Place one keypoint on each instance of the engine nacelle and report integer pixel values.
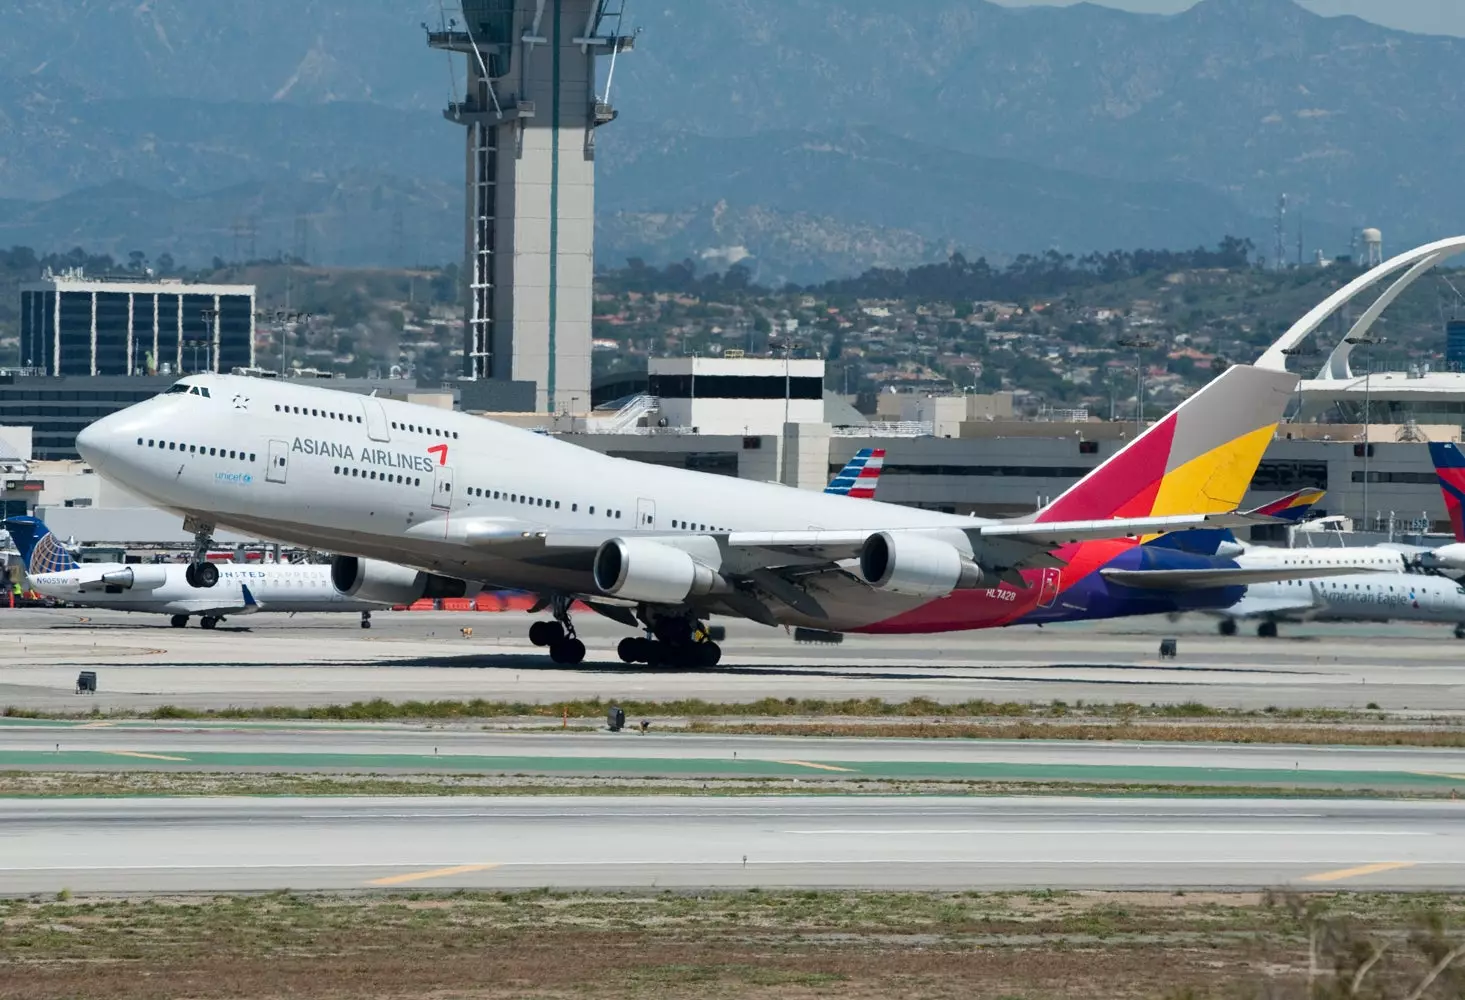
(387, 583)
(149, 577)
(638, 569)
(900, 562)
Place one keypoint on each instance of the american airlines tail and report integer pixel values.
(1449, 467)
(40, 551)
(861, 476)
(1199, 459)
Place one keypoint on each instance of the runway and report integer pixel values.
(389, 749)
(326, 659)
(163, 845)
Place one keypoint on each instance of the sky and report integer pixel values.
(1436, 17)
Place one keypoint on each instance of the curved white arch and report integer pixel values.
(1419, 261)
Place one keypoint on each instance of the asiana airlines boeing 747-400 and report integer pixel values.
(426, 503)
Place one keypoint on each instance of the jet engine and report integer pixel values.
(642, 570)
(916, 565)
(388, 583)
(136, 577)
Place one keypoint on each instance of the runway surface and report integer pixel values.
(324, 659)
(385, 749)
(162, 845)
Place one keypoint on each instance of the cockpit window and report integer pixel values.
(193, 390)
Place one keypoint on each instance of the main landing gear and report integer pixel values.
(677, 642)
(201, 572)
(1460, 631)
(1227, 626)
(565, 647)
(366, 619)
(208, 621)
(178, 621)
(1266, 630)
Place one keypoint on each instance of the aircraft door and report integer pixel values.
(646, 514)
(279, 459)
(376, 419)
(1048, 588)
(442, 487)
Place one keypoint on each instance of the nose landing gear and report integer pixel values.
(366, 619)
(565, 647)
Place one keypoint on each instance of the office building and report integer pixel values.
(74, 325)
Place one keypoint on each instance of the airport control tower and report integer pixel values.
(530, 110)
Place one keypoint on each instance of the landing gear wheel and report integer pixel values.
(207, 621)
(567, 652)
(366, 619)
(178, 621)
(1267, 630)
(201, 574)
(546, 633)
(1460, 631)
(630, 649)
(1227, 626)
(709, 654)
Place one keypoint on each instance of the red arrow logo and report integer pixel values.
(441, 451)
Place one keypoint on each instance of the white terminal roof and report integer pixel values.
(796, 367)
(140, 286)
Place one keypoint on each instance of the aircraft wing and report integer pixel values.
(1219, 576)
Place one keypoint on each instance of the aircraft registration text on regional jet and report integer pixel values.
(420, 502)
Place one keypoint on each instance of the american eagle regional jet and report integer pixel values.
(423, 502)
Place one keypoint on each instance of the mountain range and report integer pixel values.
(821, 136)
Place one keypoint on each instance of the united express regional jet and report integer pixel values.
(163, 588)
(466, 502)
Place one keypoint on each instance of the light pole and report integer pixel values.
(1367, 416)
(1299, 352)
(1140, 345)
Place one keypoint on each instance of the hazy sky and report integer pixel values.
(1438, 17)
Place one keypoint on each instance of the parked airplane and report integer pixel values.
(1374, 597)
(468, 502)
(860, 476)
(161, 588)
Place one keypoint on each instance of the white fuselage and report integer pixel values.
(274, 587)
(1363, 597)
(411, 484)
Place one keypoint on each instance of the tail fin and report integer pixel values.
(861, 476)
(40, 551)
(1449, 467)
(1199, 459)
(1293, 507)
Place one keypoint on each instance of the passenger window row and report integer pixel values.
(507, 497)
(197, 449)
(419, 429)
(687, 526)
(356, 472)
(306, 411)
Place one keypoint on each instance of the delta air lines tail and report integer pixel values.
(1449, 467)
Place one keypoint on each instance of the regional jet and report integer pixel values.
(427, 503)
(162, 588)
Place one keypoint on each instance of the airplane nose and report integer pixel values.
(94, 441)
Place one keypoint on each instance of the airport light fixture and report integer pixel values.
(1367, 415)
(1140, 345)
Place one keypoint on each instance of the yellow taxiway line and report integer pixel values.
(144, 756)
(1361, 870)
(432, 873)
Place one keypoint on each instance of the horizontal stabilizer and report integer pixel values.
(1220, 576)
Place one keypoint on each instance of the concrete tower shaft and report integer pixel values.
(530, 111)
